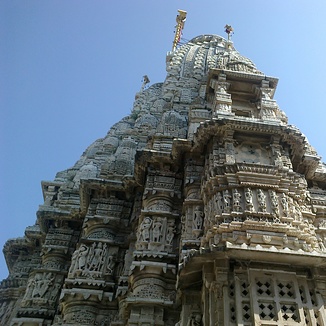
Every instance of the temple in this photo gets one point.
(202, 207)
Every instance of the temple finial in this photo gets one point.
(229, 31)
(181, 19)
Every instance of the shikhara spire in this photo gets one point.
(202, 207)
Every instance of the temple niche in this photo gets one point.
(202, 207)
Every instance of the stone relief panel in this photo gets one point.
(156, 233)
(250, 200)
(192, 223)
(93, 260)
(42, 289)
(271, 211)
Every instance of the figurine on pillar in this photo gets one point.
(144, 230)
(236, 200)
(274, 202)
(285, 204)
(218, 203)
(261, 198)
(157, 230)
(248, 197)
(227, 201)
(222, 100)
(198, 219)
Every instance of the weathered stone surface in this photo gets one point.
(202, 207)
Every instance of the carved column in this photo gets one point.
(268, 107)
(44, 284)
(222, 103)
(153, 269)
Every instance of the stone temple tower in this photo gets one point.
(202, 207)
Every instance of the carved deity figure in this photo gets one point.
(285, 204)
(38, 282)
(278, 158)
(87, 260)
(157, 230)
(198, 219)
(170, 234)
(236, 200)
(41, 285)
(29, 289)
(47, 283)
(144, 230)
(111, 264)
(74, 260)
(297, 212)
(219, 203)
(248, 197)
(227, 201)
(261, 198)
(98, 255)
(82, 257)
(274, 202)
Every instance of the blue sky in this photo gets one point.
(70, 69)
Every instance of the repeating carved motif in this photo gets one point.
(162, 183)
(101, 234)
(236, 200)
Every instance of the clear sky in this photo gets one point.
(69, 69)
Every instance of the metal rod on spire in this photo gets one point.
(181, 19)
(229, 31)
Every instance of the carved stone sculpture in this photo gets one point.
(201, 207)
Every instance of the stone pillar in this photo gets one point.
(152, 272)
(222, 103)
(268, 107)
(45, 283)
